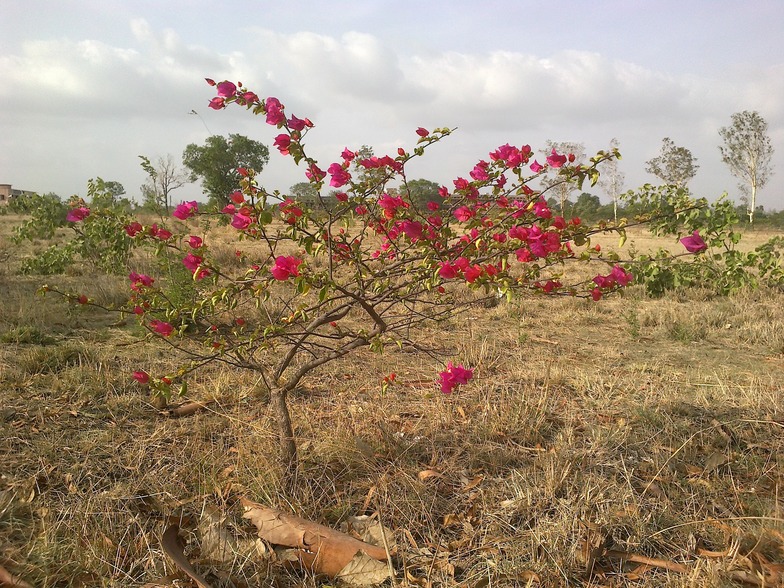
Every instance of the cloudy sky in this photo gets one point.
(88, 85)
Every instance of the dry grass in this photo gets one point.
(654, 425)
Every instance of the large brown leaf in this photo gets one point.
(319, 549)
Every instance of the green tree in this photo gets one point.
(587, 206)
(674, 165)
(421, 192)
(305, 193)
(747, 151)
(163, 178)
(217, 161)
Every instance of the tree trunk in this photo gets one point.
(753, 203)
(288, 446)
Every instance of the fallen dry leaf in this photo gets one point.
(363, 570)
(216, 542)
(427, 474)
(319, 548)
(7, 580)
(187, 409)
(170, 542)
(370, 530)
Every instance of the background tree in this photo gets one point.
(107, 194)
(554, 185)
(163, 178)
(747, 151)
(674, 165)
(421, 192)
(217, 161)
(612, 179)
(304, 193)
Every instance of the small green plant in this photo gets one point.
(102, 242)
(706, 231)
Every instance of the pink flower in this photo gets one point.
(141, 376)
(133, 229)
(226, 89)
(76, 215)
(361, 209)
(275, 114)
(341, 197)
(298, 124)
(412, 229)
(447, 271)
(285, 267)
(463, 214)
(422, 132)
(694, 243)
(432, 205)
(186, 209)
(340, 177)
(621, 276)
(217, 103)
(555, 160)
(241, 221)
(314, 173)
(237, 197)
(348, 155)
(229, 209)
(159, 233)
(283, 143)
(479, 173)
(161, 327)
(139, 281)
(453, 376)
(472, 273)
(192, 262)
(195, 242)
(541, 209)
(389, 204)
(536, 167)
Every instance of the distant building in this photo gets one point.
(7, 193)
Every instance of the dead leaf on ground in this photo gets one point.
(427, 474)
(187, 409)
(172, 546)
(320, 549)
(216, 542)
(715, 461)
(8, 580)
(363, 570)
(370, 530)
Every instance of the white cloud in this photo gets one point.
(98, 105)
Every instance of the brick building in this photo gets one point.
(7, 193)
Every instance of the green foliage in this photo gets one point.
(722, 267)
(421, 192)
(99, 240)
(47, 211)
(217, 161)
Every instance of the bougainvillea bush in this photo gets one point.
(710, 257)
(363, 267)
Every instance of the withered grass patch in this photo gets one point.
(653, 425)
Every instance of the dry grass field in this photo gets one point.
(627, 442)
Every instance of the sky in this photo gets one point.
(86, 86)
